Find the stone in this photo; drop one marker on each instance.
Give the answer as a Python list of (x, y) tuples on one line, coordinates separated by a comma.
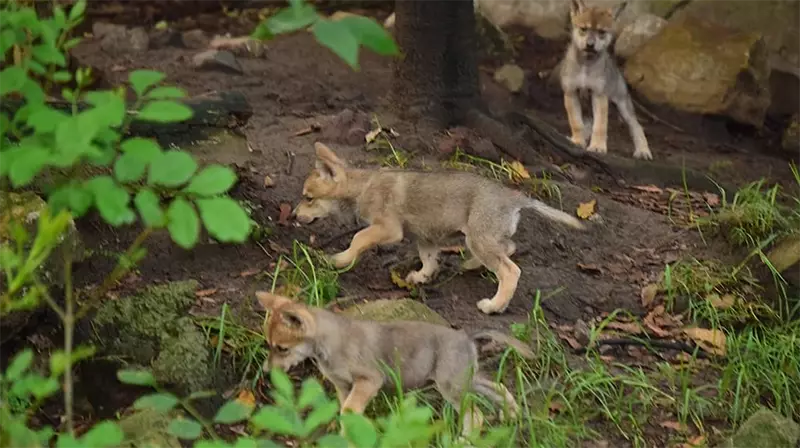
[(636, 33), (147, 428), (154, 329), (386, 310), (765, 428), (700, 67), (511, 77), (791, 135), (347, 127), (221, 60), (195, 39), (117, 39), (166, 37)]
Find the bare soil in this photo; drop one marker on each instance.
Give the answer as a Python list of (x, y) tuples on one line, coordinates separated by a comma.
[(298, 83)]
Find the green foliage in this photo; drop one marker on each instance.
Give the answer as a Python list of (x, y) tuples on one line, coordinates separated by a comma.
[(344, 37)]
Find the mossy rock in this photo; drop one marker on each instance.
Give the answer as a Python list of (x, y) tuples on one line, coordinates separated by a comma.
[(147, 428), (765, 428), (153, 329), (385, 310)]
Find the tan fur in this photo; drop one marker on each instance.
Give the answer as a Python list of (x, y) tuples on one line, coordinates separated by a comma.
[(588, 65), (354, 354), (433, 206)]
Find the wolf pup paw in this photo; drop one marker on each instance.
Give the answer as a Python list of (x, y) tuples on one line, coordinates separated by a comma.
[(643, 154), (598, 148), (341, 260), (489, 307)]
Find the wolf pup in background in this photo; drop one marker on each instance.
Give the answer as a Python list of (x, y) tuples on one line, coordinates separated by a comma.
[(353, 354), (589, 66), (433, 206)]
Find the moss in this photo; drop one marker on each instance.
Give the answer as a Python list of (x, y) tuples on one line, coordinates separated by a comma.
[(765, 428), (152, 329), (384, 310), (147, 428)]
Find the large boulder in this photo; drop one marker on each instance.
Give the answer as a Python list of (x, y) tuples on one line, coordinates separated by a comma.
[(154, 329), (637, 33), (765, 428), (384, 310), (147, 428), (701, 67), (778, 21)]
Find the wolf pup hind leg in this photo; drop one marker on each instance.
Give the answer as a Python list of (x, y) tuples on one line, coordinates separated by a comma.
[(589, 66)]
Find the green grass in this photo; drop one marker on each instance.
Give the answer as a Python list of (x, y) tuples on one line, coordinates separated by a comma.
[(306, 273)]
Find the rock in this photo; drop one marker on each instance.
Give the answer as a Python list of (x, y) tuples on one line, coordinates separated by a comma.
[(699, 67), (779, 22), (384, 310), (147, 428), (791, 135), (765, 428), (510, 76), (100, 29), (636, 33), (347, 127), (167, 37), (116, 39), (195, 39), (154, 329), (221, 60)]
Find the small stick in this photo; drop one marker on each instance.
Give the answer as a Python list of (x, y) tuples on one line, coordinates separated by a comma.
[(653, 117), (290, 165), (305, 131)]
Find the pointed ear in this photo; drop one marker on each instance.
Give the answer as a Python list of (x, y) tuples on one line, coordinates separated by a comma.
[(299, 319), (616, 12), (328, 163), (271, 301), (576, 6)]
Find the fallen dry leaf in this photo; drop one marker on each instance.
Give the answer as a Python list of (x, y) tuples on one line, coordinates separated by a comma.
[(648, 294), (586, 209), (519, 170), (711, 199), (205, 292), (312, 239), (573, 343), (721, 303), (249, 272), (649, 322), (398, 280), (648, 188), (372, 135), (247, 398), (670, 424), (712, 341), (694, 442), (268, 182), (627, 327), (590, 268), (286, 212)]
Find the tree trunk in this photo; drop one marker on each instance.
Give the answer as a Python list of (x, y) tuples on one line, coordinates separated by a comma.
[(437, 76)]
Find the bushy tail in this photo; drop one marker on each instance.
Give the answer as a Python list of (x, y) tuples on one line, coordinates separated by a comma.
[(509, 340), (497, 394), (555, 214)]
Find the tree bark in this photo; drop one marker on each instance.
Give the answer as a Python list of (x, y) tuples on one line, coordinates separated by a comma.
[(437, 76)]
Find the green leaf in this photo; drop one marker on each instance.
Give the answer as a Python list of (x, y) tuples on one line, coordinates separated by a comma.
[(77, 10), (31, 90), (199, 395), (211, 444), (182, 223), (165, 93), (338, 38), (291, 19), (111, 200), (41, 387), (12, 79), (70, 44), (232, 412), (102, 435), (49, 54), (165, 111), (321, 415), (282, 384), (58, 359), (148, 148), (333, 441), (66, 440), (109, 108), (26, 165), (211, 181), (46, 119), (262, 32), (370, 34), (159, 402), (149, 206), (136, 377), (62, 76), (73, 197), (19, 364), (129, 167), (141, 80), (224, 219), (172, 169), (358, 430), (184, 428), (310, 393), (7, 40), (276, 420)]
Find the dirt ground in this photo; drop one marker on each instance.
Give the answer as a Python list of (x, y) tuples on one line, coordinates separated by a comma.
[(298, 83)]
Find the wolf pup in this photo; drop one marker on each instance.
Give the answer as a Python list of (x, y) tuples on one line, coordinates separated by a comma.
[(433, 206), (353, 354), (589, 66)]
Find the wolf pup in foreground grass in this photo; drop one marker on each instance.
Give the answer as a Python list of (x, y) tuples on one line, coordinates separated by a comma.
[(589, 66), (354, 355), (433, 206)]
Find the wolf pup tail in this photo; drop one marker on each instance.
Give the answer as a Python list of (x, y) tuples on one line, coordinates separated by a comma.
[(511, 341), (554, 214)]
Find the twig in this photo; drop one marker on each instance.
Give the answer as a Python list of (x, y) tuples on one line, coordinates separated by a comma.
[(69, 330), (655, 118), (290, 165), (305, 131), (668, 345)]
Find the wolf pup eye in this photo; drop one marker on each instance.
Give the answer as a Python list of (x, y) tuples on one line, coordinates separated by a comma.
[(308, 198), (583, 29), (279, 350), (602, 33)]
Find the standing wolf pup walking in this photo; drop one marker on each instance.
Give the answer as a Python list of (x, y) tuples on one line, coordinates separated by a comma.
[(589, 66), (433, 206)]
